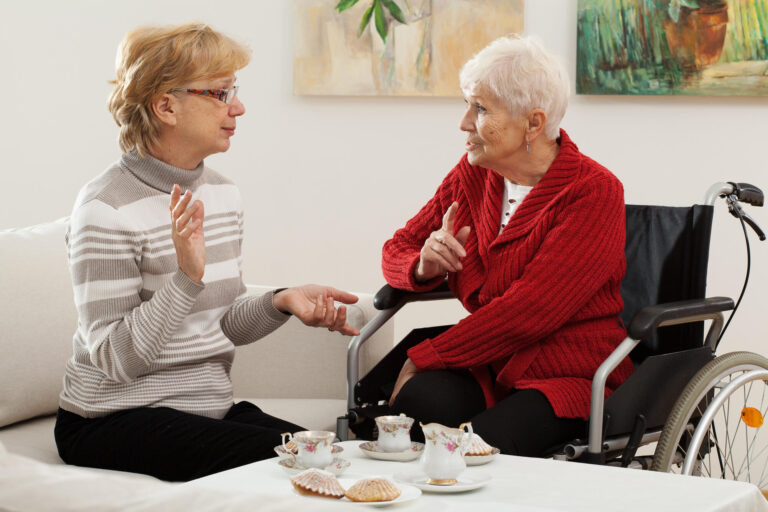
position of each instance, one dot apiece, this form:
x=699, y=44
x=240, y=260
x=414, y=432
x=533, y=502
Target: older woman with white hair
x=529, y=233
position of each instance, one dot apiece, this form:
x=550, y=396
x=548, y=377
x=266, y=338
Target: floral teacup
x=394, y=433
x=443, y=459
x=315, y=447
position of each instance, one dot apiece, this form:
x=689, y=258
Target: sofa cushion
x=37, y=322
x=33, y=439
x=33, y=486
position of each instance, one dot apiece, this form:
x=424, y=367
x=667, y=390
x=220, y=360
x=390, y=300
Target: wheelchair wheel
x=716, y=426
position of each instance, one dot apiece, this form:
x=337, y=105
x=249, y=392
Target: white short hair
x=523, y=75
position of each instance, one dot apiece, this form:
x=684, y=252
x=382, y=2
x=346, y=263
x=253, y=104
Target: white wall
x=326, y=179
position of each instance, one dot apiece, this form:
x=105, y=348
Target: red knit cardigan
x=543, y=295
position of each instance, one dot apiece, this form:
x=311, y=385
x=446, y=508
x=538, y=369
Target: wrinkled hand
x=442, y=251
x=314, y=306
x=406, y=372
x=187, y=233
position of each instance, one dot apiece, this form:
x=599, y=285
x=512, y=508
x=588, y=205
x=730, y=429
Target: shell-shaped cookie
x=479, y=447
x=373, y=489
x=317, y=482
x=292, y=447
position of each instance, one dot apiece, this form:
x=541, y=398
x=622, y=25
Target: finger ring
x=441, y=240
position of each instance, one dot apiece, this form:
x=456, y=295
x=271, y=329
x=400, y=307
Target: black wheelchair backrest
x=667, y=251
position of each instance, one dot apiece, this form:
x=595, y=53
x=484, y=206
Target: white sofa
x=297, y=373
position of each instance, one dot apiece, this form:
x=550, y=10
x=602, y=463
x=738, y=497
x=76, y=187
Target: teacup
x=443, y=459
x=315, y=447
x=394, y=433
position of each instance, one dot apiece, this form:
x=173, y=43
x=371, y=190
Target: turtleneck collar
x=158, y=174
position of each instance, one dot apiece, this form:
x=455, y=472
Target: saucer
x=280, y=451
x=466, y=482
x=337, y=466
x=477, y=460
x=372, y=450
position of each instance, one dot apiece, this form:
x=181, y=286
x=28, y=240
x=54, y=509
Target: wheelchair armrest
x=388, y=297
x=649, y=318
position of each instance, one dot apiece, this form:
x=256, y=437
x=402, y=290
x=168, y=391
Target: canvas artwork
x=699, y=47
x=393, y=47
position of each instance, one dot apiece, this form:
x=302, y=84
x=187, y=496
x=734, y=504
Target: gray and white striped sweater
x=147, y=335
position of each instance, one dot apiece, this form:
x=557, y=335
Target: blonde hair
x=153, y=60
x=523, y=75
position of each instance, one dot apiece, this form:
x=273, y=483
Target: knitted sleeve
x=400, y=254
x=577, y=257
x=122, y=333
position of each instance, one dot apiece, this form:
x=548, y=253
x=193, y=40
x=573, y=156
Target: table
x=518, y=484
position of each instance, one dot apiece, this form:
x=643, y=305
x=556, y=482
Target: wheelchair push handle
x=750, y=194
x=734, y=193
x=747, y=193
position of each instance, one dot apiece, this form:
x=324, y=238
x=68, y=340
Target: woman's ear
x=164, y=109
x=536, y=121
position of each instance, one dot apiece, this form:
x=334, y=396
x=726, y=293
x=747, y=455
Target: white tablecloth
x=518, y=484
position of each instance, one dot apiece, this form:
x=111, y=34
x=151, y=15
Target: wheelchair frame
x=389, y=301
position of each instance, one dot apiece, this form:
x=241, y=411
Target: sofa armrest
x=297, y=361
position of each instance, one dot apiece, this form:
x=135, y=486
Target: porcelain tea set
x=443, y=454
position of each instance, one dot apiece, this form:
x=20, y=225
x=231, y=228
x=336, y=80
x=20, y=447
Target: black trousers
x=169, y=444
x=523, y=423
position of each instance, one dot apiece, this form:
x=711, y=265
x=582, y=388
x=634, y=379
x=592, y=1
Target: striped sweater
x=147, y=335
x=544, y=293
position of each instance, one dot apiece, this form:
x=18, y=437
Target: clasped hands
x=312, y=304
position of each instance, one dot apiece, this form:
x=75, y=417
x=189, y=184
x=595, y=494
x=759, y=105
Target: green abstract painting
x=696, y=47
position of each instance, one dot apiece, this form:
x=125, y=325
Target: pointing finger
x=450, y=215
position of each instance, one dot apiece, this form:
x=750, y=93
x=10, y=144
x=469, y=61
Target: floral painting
x=393, y=47
x=700, y=47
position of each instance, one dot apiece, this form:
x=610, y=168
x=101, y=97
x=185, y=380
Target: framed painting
x=698, y=47
x=393, y=47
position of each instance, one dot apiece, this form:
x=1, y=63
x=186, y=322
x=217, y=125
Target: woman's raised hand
x=187, y=233
x=442, y=251
x=314, y=306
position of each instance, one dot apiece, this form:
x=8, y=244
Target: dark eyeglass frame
x=226, y=96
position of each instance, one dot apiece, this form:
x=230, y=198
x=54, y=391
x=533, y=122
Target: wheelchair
x=703, y=412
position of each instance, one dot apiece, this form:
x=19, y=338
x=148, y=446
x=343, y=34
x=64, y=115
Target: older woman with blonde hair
x=529, y=233
x=154, y=251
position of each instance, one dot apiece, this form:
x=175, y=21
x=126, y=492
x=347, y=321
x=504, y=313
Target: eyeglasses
x=226, y=96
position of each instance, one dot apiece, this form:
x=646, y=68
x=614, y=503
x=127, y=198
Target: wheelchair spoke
x=765, y=464
x=746, y=459
x=729, y=442
x=751, y=443
x=750, y=456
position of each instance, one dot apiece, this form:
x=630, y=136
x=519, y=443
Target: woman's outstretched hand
x=187, y=233
x=314, y=306
x=442, y=251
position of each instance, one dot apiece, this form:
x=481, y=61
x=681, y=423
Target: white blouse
x=513, y=196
